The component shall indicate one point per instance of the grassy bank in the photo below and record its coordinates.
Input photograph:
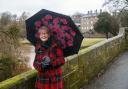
(90, 41)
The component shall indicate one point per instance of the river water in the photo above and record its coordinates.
(27, 51)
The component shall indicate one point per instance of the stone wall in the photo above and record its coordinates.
(78, 69)
(126, 37)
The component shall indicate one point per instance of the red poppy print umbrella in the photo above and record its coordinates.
(61, 26)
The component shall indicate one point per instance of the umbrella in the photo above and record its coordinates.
(62, 27)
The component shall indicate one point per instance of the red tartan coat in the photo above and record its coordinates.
(51, 77)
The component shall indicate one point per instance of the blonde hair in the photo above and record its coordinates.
(44, 28)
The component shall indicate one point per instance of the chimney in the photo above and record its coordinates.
(88, 12)
(91, 12)
(96, 11)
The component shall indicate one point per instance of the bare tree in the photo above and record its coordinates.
(116, 4)
(22, 19)
(5, 18)
(9, 43)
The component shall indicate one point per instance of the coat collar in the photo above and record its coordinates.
(47, 44)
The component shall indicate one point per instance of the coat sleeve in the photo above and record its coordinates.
(37, 64)
(59, 58)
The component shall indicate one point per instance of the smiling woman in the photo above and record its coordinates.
(48, 61)
(44, 33)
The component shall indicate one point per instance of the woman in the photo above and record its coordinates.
(48, 61)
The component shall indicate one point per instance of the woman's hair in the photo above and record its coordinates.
(44, 28)
(37, 35)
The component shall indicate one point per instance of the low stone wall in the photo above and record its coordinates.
(126, 38)
(78, 69)
(23, 81)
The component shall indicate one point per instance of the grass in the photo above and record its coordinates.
(90, 41)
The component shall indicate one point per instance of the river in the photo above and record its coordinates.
(27, 51)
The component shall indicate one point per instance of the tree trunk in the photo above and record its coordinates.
(107, 35)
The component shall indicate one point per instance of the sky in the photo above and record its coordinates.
(67, 7)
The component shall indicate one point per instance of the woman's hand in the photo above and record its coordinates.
(45, 62)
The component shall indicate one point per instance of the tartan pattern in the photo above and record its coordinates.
(51, 76)
(49, 83)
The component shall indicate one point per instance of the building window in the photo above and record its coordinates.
(91, 27)
(91, 22)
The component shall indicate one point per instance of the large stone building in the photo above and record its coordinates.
(77, 18)
(88, 20)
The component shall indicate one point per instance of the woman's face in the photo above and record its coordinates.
(43, 35)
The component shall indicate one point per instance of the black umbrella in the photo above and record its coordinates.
(62, 27)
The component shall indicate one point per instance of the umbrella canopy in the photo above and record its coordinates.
(61, 26)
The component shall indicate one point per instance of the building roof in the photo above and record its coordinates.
(90, 15)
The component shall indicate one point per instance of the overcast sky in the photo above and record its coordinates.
(68, 7)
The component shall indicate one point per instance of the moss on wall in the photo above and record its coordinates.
(126, 38)
(22, 81)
